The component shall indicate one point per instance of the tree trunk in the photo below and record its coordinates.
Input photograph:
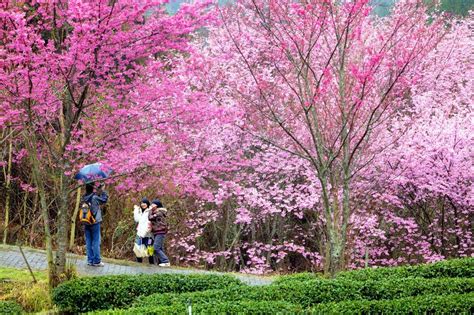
(63, 216)
(344, 170)
(366, 260)
(38, 179)
(24, 215)
(33, 226)
(335, 252)
(333, 246)
(443, 248)
(72, 236)
(7, 186)
(336, 227)
(346, 206)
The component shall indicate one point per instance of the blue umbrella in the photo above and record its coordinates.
(93, 172)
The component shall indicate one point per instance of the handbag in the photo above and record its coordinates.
(140, 250)
(151, 250)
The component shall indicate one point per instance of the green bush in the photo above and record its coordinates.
(462, 268)
(302, 293)
(108, 292)
(312, 292)
(425, 304)
(241, 307)
(10, 307)
(404, 287)
(297, 277)
(209, 296)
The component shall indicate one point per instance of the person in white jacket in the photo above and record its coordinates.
(144, 236)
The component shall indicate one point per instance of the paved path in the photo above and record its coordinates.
(10, 256)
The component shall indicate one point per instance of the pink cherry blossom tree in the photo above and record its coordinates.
(72, 67)
(318, 80)
(290, 136)
(425, 178)
(249, 200)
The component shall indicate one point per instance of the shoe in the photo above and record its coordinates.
(90, 264)
(101, 264)
(164, 265)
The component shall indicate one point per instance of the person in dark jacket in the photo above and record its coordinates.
(92, 231)
(159, 229)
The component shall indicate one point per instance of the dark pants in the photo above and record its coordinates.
(160, 255)
(151, 260)
(146, 241)
(92, 233)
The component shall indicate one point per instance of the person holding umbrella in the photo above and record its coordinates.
(92, 201)
(91, 214)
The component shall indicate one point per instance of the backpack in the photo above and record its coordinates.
(85, 214)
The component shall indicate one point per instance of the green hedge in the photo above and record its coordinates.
(297, 277)
(462, 268)
(242, 307)
(108, 292)
(209, 296)
(10, 307)
(393, 288)
(312, 292)
(425, 304)
(302, 293)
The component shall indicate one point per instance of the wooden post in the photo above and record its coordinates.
(27, 264)
(72, 237)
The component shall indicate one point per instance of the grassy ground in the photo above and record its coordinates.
(17, 285)
(11, 274)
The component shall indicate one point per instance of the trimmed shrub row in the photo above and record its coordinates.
(241, 307)
(10, 307)
(304, 294)
(108, 292)
(297, 277)
(313, 292)
(462, 268)
(425, 304)
(88, 294)
(393, 288)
